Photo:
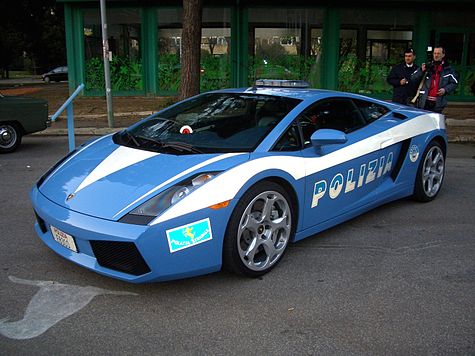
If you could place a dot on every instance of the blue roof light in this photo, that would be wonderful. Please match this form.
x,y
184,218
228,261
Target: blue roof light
x,y
281,83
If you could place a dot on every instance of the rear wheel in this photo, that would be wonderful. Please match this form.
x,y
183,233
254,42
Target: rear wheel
x,y
10,137
259,230
430,174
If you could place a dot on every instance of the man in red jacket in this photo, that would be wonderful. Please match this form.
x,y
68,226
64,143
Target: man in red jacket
x,y
439,79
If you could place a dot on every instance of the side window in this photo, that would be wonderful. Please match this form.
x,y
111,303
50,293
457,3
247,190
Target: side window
x,y
338,114
290,140
370,111
270,112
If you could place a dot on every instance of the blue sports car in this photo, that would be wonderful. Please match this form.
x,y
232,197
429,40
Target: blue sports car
x,y
228,178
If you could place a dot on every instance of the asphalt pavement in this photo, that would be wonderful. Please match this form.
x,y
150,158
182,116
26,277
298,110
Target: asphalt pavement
x,y
397,280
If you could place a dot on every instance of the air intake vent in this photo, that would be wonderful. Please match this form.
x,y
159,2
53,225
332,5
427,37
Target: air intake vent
x,y
399,115
41,223
120,256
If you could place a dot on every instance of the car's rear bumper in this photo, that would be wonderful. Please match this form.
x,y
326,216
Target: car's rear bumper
x,y
133,253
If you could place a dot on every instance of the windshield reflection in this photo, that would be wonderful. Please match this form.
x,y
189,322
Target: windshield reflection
x,y
210,123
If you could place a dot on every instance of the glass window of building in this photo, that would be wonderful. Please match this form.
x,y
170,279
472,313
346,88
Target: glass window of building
x,y
385,46
376,40
469,80
471,50
276,53
215,48
124,32
453,44
348,59
285,44
169,48
459,45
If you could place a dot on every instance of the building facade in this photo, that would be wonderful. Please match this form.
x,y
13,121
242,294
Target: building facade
x,y
332,45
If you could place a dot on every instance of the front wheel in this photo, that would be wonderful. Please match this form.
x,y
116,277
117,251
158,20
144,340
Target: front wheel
x,y
10,137
259,230
430,173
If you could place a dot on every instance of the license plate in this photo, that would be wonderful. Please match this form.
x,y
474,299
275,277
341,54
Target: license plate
x,y
64,239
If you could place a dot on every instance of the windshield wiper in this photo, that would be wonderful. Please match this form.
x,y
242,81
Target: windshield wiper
x,y
180,146
172,145
131,138
150,140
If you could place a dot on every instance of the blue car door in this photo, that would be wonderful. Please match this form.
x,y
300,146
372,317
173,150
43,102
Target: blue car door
x,y
342,179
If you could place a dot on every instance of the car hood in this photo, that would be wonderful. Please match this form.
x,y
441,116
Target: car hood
x,y
107,180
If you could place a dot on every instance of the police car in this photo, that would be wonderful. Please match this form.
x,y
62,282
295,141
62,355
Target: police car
x,y
229,178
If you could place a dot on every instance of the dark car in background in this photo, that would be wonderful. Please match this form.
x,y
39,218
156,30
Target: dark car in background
x,y
58,74
20,115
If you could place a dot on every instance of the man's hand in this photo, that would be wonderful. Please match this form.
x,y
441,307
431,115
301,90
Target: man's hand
x,y
440,92
403,81
423,67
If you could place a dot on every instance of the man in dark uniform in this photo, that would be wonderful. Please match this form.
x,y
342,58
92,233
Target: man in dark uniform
x,y
400,78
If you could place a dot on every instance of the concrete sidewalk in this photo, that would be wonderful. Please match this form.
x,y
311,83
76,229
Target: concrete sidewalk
x,y
461,130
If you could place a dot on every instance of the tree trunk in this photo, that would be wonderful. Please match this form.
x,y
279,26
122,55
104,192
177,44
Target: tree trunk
x,y
191,48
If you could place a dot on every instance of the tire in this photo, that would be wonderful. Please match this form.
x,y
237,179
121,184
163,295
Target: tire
x,y
255,241
10,137
430,173
47,79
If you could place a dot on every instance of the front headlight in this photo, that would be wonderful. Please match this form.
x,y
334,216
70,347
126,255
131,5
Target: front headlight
x,y
153,207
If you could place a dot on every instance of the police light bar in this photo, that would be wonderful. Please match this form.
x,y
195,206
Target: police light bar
x,y
281,83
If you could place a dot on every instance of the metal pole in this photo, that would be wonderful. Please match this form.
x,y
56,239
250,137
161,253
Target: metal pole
x,y
71,139
105,52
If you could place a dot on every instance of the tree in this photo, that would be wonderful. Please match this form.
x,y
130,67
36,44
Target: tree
x,y
212,42
191,50
31,35
9,40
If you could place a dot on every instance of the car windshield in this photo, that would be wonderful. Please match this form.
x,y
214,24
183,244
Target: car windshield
x,y
209,123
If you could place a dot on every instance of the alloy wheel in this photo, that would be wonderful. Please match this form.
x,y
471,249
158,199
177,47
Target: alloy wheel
x,y
264,230
433,171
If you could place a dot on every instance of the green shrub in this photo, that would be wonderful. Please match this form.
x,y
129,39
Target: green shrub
x,y
125,74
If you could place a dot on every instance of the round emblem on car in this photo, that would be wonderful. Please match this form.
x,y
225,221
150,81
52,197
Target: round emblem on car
x,y
414,153
186,130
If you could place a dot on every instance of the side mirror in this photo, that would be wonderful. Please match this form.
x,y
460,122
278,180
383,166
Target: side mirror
x,y
325,137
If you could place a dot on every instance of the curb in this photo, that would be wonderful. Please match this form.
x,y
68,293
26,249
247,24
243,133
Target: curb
x,y
141,114
81,131
460,123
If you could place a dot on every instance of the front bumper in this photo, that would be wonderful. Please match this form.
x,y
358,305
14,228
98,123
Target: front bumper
x,y
133,253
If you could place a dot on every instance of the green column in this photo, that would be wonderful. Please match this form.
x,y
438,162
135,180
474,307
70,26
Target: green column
x,y
78,32
239,46
330,50
421,36
74,29
73,24
149,50
70,57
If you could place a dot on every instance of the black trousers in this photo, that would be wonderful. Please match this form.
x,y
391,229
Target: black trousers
x,y
430,106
